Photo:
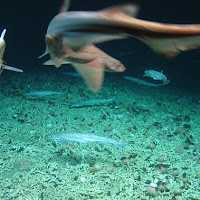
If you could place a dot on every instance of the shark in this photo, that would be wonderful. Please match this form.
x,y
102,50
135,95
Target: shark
x,y
2,50
71,36
89,61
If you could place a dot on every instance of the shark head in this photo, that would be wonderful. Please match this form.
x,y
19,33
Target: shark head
x,y
56,47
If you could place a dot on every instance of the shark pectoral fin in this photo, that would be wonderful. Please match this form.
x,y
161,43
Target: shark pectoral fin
x,y
126,9
171,47
50,62
58,61
12,68
92,73
44,54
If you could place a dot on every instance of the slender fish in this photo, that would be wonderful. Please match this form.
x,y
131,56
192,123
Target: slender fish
x,y
142,82
43,93
83,138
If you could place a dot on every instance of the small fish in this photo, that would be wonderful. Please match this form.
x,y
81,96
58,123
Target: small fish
x,y
2,49
43,93
83,138
142,82
156,75
93,102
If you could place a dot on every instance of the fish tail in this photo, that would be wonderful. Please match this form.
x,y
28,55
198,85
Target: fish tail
x,y
122,144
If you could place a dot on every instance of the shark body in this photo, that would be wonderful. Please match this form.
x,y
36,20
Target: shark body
x,y
75,32
89,61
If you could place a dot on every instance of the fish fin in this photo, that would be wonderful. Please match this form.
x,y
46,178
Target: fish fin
x,y
58,49
50,62
58,61
171,47
92,73
122,144
65,6
44,54
12,68
128,9
3,34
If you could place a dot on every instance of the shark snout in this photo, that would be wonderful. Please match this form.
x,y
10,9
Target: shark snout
x,y
120,67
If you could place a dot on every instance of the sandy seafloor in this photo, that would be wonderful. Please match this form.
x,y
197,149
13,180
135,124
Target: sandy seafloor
x,y
161,123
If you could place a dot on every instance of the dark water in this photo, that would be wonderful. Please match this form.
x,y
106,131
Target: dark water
x,y
26,23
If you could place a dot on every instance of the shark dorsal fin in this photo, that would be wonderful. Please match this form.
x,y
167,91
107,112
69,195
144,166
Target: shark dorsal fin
x,y
65,6
127,9
3,33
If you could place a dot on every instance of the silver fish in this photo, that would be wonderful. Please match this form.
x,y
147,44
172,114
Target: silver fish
x,y
43,93
83,138
142,82
156,75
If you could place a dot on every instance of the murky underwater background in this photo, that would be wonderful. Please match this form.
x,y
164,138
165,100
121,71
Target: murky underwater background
x,y
160,123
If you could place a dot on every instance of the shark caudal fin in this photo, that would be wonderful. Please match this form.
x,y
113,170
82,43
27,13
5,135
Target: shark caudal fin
x,y
171,47
166,40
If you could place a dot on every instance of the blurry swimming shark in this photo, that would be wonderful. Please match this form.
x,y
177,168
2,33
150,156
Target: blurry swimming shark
x,y
79,28
71,31
89,61
2,49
